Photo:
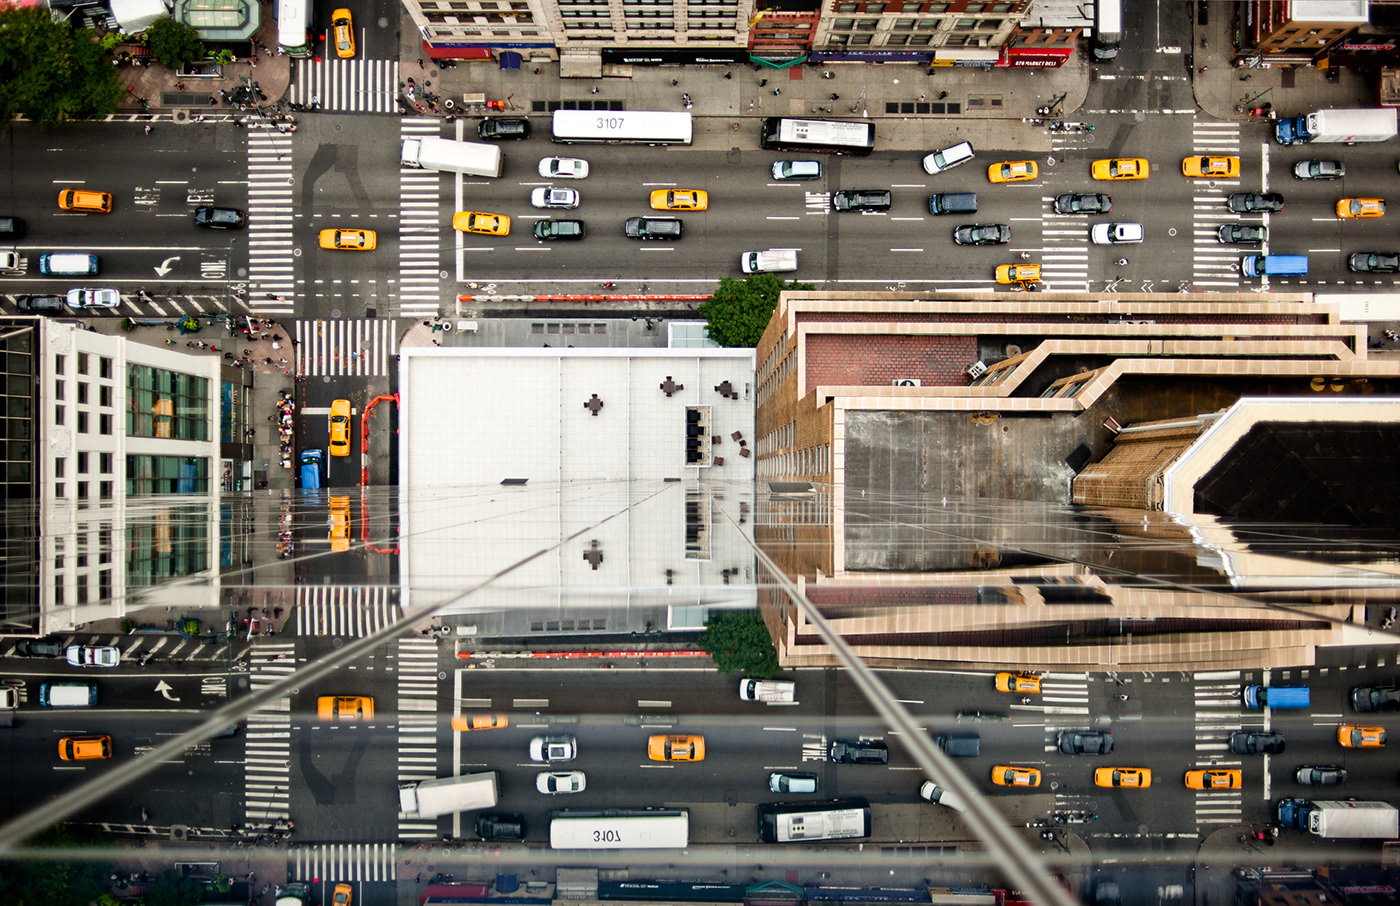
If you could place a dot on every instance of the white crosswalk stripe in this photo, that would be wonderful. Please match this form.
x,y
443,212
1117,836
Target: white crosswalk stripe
x,y
359,85
268,739
1064,694
420,232
1064,260
418,725
346,347
336,862
1215,265
354,611
271,281
1218,714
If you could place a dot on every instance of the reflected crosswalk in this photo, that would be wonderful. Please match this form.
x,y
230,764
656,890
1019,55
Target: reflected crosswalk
x,y
358,85
354,611
1217,701
418,725
336,862
420,232
268,739
365,346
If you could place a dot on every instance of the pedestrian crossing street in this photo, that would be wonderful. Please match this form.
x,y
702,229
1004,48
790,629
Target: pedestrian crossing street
x,y
354,611
420,231
268,739
365,346
1215,266
270,281
334,863
358,85
418,725
1218,714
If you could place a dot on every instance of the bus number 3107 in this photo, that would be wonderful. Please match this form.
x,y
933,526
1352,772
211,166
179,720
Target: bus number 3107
x,y
606,836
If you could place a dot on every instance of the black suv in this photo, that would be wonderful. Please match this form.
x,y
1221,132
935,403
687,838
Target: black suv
x,y
500,827
499,129
1241,233
38,648
219,218
1083,204
547,230
652,228
1366,699
982,234
33,304
859,751
862,200
1085,742
1255,202
1257,743
1374,262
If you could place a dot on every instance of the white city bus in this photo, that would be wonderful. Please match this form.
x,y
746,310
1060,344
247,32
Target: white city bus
x,y
836,819
637,127
296,31
830,136
619,829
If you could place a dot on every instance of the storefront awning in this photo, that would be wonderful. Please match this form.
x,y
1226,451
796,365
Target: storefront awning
x,y
510,59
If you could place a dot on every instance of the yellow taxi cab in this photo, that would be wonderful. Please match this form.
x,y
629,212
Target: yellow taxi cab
x,y
1018,273
1211,166
342,895
1013,171
1018,682
1361,207
476,222
1215,779
676,748
354,240
1354,737
340,428
1123,777
85,200
340,523
345,707
84,748
1006,775
465,723
674,200
343,34
1120,168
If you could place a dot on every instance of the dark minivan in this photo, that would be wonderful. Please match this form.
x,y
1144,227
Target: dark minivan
x,y
860,751
500,129
500,827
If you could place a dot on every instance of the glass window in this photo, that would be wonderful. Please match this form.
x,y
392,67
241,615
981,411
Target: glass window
x,y
104,463
60,490
82,363
82,495
82,422
58,390
166,404
82,462
60,364
104,424
60,465
105,490
104,368
82,393
60,413
167,475
104,395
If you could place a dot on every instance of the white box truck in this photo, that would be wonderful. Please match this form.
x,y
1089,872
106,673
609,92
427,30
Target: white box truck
x,y
464,793
771,261
1347,126
1342,818
471,158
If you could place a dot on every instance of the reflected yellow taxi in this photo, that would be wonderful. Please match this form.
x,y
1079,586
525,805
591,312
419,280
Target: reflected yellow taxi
x,y
477,222
680,200
1227,167
1013,171
340,523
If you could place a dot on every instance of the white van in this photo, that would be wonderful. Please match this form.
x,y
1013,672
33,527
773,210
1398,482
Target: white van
x,y
771,261
762,690
67,264
67,695
948,158
941,795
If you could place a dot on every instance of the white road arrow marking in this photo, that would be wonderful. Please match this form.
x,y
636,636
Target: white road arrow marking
x,y
165,266
164,689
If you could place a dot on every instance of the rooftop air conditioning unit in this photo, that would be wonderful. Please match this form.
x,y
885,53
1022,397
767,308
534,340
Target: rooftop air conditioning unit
x,y
976,370
905,382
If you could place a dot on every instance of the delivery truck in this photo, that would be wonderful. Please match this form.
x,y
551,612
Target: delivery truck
x,y
1337,126
1277,697
470,158
1341,818
464,793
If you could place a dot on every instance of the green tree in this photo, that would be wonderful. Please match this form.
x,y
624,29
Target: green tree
x,y
739,642
26,882
51,72
174,44
738,311
172,890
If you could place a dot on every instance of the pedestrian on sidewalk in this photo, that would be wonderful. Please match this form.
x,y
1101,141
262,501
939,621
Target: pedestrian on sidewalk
x,y
729,75
675,84
942,95
762,83
777,92
835,96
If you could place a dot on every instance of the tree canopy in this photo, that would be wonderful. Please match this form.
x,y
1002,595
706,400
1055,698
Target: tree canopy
x,y
738,311
739,642
173,44
51,72
26,882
